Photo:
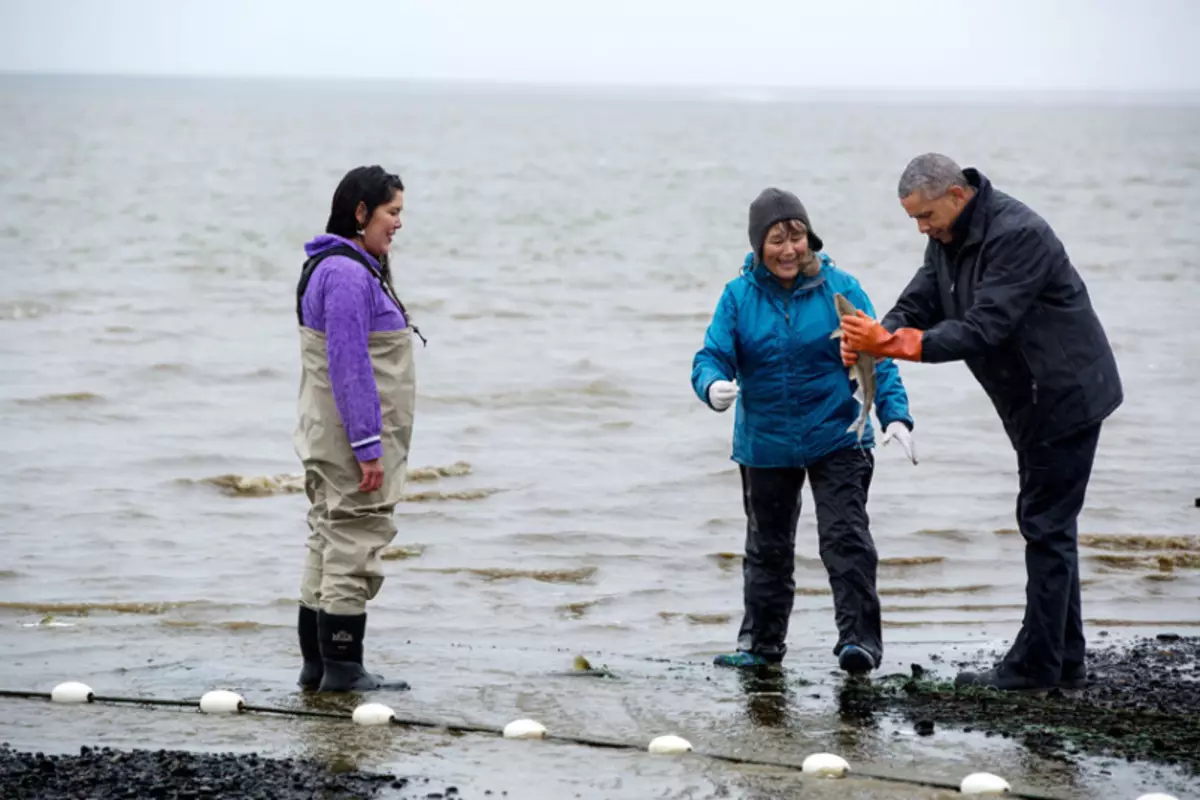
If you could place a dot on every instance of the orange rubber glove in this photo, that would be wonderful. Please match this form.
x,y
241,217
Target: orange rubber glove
x,y
863,334
849,357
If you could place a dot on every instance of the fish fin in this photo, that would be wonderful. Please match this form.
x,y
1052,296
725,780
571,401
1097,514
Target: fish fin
x,y
837,334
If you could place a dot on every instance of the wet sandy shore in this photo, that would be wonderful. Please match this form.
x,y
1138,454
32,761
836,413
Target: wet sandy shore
x,y
1137,724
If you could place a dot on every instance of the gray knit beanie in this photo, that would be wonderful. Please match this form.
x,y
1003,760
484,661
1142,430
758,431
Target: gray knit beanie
x,y
775,205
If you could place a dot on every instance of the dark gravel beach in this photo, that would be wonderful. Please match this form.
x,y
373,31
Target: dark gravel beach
x,y
1142,702
102,773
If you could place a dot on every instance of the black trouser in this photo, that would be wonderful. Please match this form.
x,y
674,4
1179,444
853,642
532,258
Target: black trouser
x,y
771,497
1054,479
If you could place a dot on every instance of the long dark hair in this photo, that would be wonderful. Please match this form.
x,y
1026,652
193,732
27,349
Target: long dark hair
x,y
372,186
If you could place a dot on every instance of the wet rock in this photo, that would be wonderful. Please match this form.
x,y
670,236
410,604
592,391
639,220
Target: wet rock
x,y
924,727
1142,703
107,774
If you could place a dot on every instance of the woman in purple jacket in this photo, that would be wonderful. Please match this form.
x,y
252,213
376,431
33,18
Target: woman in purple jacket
x,y
357,392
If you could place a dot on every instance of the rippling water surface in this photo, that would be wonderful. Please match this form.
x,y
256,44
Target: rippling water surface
x,y
570,494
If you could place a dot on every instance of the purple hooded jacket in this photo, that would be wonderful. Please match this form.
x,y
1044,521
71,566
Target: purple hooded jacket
x,y
345,302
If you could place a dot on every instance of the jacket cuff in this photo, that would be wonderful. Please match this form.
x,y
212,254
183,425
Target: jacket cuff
x,y
934,349
368,449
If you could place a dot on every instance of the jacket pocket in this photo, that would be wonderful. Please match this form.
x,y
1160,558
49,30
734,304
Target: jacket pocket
x,y
1030,376
1007,377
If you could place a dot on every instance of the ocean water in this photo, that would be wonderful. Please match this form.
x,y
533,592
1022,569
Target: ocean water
x,y
563,253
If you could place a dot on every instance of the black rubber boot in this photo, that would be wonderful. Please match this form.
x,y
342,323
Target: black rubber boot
x,y
1074,676
1002,679
341,638
310,649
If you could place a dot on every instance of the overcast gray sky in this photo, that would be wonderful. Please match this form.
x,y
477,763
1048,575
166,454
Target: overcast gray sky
x,y
994,44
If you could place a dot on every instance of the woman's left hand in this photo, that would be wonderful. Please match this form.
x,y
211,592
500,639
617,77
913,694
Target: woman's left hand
x,y
900,432
372,475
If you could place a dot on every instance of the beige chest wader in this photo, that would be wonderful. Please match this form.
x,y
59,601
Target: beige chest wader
x,y
349,528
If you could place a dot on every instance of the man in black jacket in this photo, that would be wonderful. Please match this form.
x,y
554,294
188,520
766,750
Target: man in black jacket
x,y
998,291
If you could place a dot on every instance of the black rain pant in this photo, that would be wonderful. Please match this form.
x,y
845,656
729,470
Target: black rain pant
x,y
1054,479
771,497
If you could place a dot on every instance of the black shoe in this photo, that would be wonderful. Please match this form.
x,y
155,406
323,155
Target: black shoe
x,y
310,649
1074,676
341,638
1004,681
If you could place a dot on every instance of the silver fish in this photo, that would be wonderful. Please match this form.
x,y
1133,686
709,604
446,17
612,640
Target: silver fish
x,y
863,372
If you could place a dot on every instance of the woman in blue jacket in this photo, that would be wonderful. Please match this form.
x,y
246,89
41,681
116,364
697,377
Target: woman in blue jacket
x,y
769,348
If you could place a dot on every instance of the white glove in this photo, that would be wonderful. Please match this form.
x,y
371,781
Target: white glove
x,y
722,394
900,432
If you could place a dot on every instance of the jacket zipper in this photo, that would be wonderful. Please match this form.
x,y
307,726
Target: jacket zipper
x,y
787,318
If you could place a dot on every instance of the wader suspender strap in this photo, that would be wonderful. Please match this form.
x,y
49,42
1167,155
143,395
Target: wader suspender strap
x,y
310,266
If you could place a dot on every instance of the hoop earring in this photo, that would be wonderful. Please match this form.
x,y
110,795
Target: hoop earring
x,y
359,232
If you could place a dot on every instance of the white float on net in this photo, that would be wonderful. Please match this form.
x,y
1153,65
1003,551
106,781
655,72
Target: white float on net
x,y
72,692
827,765
984,783
373,714
670,745
221,701
524,729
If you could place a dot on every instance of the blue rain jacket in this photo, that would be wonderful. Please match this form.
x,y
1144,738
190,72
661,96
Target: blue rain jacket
x,y
796,399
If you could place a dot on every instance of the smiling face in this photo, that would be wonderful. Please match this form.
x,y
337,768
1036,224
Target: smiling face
x,y
785,250
380,229
935,217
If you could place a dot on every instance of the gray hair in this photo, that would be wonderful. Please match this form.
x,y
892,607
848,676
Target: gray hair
x,y
932,174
